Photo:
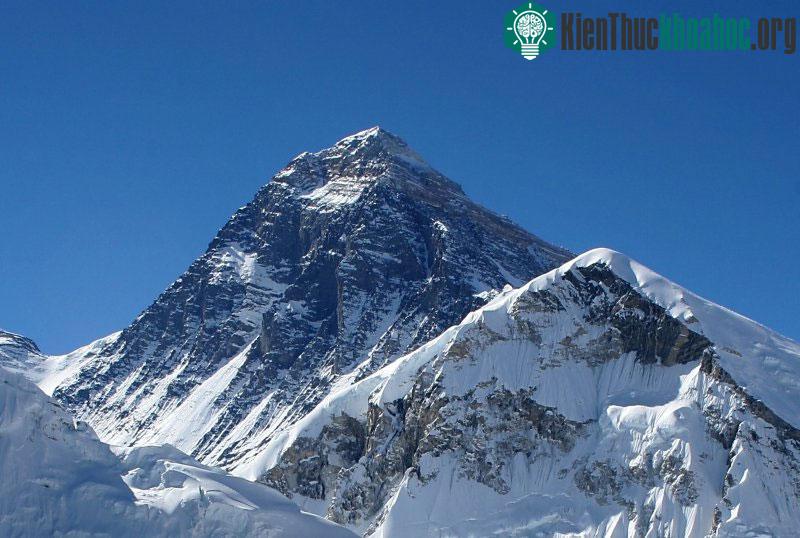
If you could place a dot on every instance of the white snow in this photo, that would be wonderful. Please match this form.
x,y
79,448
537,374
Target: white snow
x,y
59,479
195,415
56,369
762,361
638,409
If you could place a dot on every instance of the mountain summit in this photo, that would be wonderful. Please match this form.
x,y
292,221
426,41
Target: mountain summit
x,y
348,258
341,173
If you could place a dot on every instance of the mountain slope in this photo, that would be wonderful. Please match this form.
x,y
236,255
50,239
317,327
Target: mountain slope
x,y
346,259
18,353
59,479
599,399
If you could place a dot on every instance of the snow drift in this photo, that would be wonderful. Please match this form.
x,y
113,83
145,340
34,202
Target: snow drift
x,y
59,479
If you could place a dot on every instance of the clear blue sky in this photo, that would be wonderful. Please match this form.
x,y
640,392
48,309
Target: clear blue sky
x,y
129,133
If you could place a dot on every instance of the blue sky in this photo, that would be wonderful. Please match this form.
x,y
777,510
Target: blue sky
x,y
129,133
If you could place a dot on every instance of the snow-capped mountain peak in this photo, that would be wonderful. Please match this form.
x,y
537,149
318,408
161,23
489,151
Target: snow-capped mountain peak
x,y
339,175
346,259
378,137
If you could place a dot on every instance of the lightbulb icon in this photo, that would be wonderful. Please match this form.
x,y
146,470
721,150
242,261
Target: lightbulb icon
x,y
529,27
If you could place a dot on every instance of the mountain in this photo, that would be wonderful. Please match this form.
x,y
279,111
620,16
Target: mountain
x,y
345,260
369,342
18,353
58,479
597,400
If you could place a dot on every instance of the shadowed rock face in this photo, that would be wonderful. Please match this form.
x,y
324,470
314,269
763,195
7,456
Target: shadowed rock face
x,y
350,256
642,326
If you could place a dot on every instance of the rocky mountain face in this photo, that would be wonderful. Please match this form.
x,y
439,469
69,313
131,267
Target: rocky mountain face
x,y
345,260
597,400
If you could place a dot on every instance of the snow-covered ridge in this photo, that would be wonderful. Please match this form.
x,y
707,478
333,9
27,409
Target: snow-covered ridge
x,y
763,362
750,352
594,389
57,478
19,353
